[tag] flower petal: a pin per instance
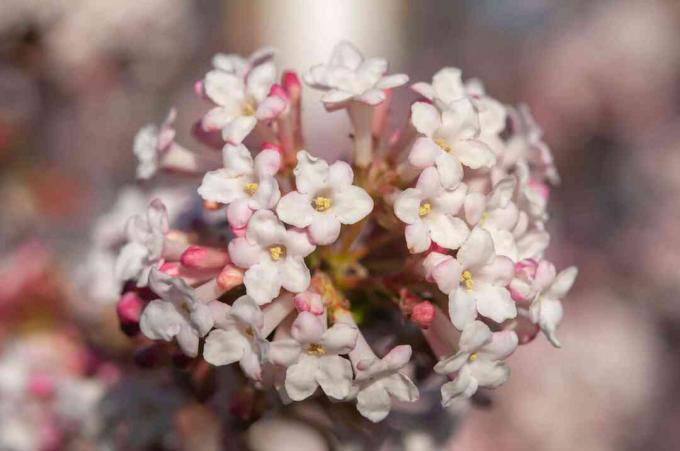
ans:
(284, 352)
(160, 321)
(474, 336)
(296, 209)
(373, 402)
(243, 253)
(447, 231)
(448, 84)
(340, 339)
(247, 312)
(238, 128)
(450, 170)
(311, 174)
(477, 250)
(223, 347)
(494, 302)
(402, 388)
(462, 387)
(417, 237)
(294, 275)
(334, 375)
(500, 347)
(475, 154)
(307, 328)
(392, 81)
(340, 174)
(352, 204)
(424, 153)
(324, 228)
(488, 373)
(297, 243)
(265, 229)
(263, 282)
(267, 162)
(563, 283)
(499, 272)
(447, 274)
(407, 204)
(239, 213)
(425, 118)
(237, 160)
(301, 378)
(187, 339)
(462, 307)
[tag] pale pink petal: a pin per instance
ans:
(245, 254)
(563, 283)
(237, 160)
(267, 162)
(494, 302)
(477, 250)
(372, 97)
(475, 204)
(217, 186)
(402, 388)
(407, 205)
(447, 231)
(297, 243)
(246, 310)
(238, 213)
(284, 352)
(223, 347)
(425, 118)
(417, 237)
(238, 128)
(311, 174)
(340, 339)
(447, 274)
(462, 307)
(475, 154)
(392, 81)
(324, 228)
(489, 374)
(424, 153)
(429, 184)
(267, 194)
(474, 336)
(448, 84)
(265, 229)
(462, 387)
(270, 108)
(450, 201)
(294, 275)
(340, 174)
(263, 281)
(308, 328)
(352, 204)
(301, 378)
(296, 209)
(334, 375)
(424, 89)
(499, 272)
(373, 402)
(500, 347)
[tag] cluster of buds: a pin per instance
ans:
(441, 220)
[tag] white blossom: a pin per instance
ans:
(144, 248)
(428, 211)
(479, 361)
(347, 76)
(244, 184)
(325, 199)
(313, 359)
(178, 314)
(475, 280)
(272, 256)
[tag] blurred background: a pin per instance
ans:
(79, 77)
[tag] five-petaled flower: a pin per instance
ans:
(152, 143)
(325, 199)
(144, 248)
(244, 184)
(428, 211)
(475, 280)
(272, 256)
(238, 337)
(347, 76)
(451, 139)
(379, 380)
(479, 361)
(178, 314)
(312, 357)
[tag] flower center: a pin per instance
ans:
(441, 142)
(276, 252)
(483, 218)
(425, 209)
(249, 332)
(248, 109)
(250, 188)
(321, 203)
(472, 357)
(185, 307)
(466, 280)
(315, 349)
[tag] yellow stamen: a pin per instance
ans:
(316, 349)
(472, 357)
(249, 332)
(466, 280)
(425, 209)
(321, 203)
(442, 144)
(248, 109)
(250, 188)
(276, 252)
(483, 219)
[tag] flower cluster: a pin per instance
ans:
(441, 221)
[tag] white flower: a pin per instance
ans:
(151, 143)
(546, 307)
(273, 257)
(428, 210)
(237, 65)
(497, 214)
(451, 139)
(178, 314)
(478, 362)
(325, 199)
(243, 184)
(448, 87)
(313, 359)
(475, 280)
(239, 99)
(347, 76)
(238, 337)
(380, 380)
(144, 248)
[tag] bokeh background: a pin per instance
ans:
(79, 77)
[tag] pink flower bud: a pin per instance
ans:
(170, 268)
(230, 277)
(271, 146)
(198, 88)
(279, 91)
(423, 314)
(309, 302)
(238, 231)
(41, 386)
(291, 83)
(199, 257)
(542, 189)
(129, 310)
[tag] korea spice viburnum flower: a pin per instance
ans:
(296, 265)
